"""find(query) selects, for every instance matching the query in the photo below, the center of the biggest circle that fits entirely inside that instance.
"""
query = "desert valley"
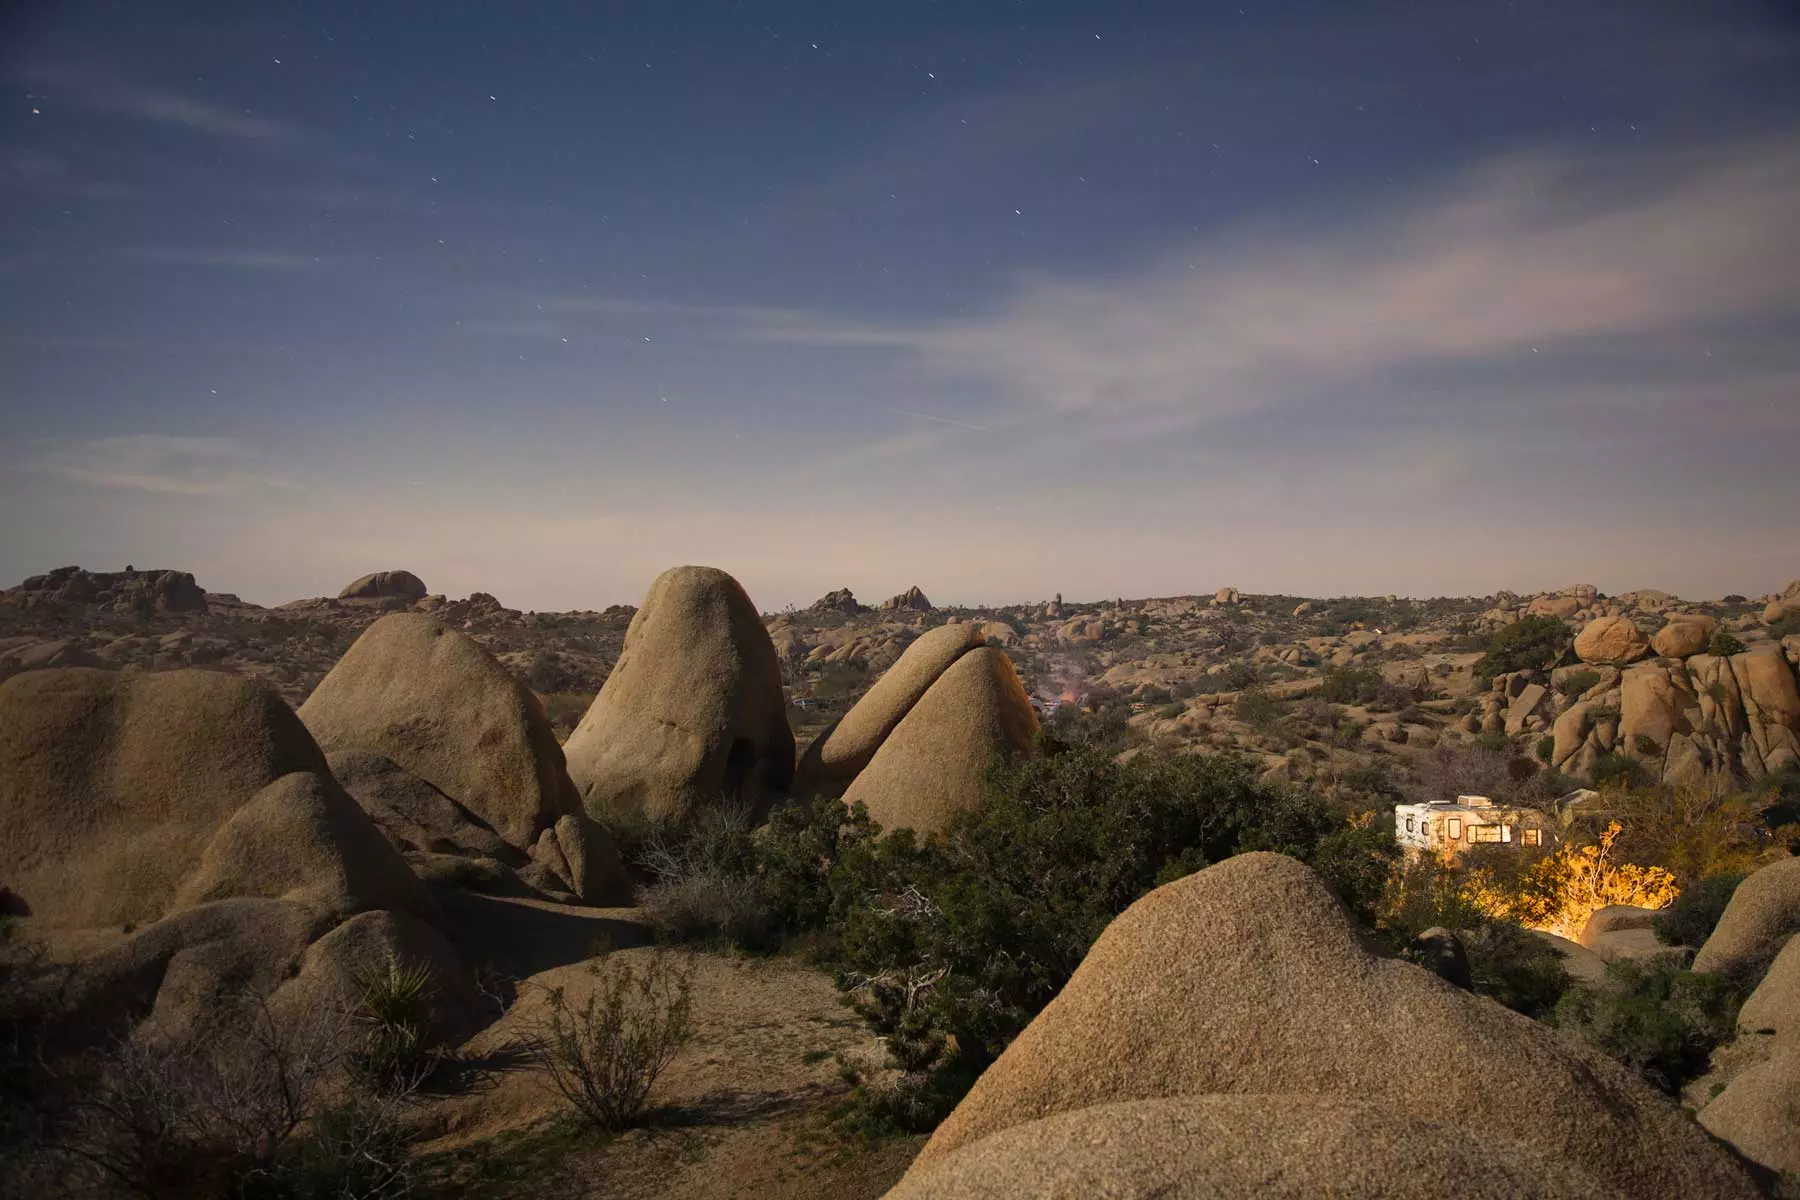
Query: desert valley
(387, 893)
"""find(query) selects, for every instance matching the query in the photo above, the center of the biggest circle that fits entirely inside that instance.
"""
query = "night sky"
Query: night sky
(998, 298)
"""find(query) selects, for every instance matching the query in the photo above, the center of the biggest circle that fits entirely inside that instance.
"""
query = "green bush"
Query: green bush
(1619, 769)
(1350, 685)
(1546, 747)
(1578, 683)
(951, 946)
(1534, 643)
(1257, 709)
(1655, 1017)
(1514, 967)
(1723, 643)
(1690, 920)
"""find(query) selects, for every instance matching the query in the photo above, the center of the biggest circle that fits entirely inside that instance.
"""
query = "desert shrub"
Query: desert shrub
(704, 880)
(1787, 626)
(1579, 683)
(1696, 912)
(242, 1106)
(394, 1012)
(1510, 965)
(1647, 746)
(1494, 742)
(1617, 769)
(1653, 1016)
(1546, 747)
(1693, 831)
(1237, 676)
(546, 672)
(1483, 769)
(1361, 685)
(1559, 891)
(1533, 643)
(1723, 643)
(1169, 712)
(1257, 709)
(951, 945)
(1732, 598)
(605, 1054)
(709, 905)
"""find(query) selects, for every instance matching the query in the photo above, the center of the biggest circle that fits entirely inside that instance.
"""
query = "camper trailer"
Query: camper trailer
(1449, 828)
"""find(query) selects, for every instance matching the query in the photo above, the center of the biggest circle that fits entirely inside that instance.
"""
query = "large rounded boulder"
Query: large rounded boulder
(836, 756)
(1763, 914)
(934, 764)
(1611, 640)
(693, 712)
(1206, 1147)
(445, 748)
(385, 585)
(1250, 978)
(112, 785)
(191, 811)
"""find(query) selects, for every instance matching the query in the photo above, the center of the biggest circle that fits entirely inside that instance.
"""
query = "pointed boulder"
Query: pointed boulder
(934, 764)
(693, 711)
(835, 756)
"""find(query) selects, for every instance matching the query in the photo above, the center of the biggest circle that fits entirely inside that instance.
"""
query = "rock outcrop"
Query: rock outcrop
(1708, 715)
(836, 756)
(934, 763)
(127, 591)
(1758, 1111)
(383, 585)
(193, 810)
(1249, 979)
(840, 601)
(693, 711)
(911, 600)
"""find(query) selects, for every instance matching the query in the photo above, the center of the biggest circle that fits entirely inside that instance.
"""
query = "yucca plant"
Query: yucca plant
(394, 1009)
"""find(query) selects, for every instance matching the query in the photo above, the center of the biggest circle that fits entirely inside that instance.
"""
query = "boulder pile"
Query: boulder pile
(192, 811)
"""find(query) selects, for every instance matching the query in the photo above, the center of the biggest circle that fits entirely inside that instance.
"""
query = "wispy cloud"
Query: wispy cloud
(99, 90)
(170, 465)
(1537, 252)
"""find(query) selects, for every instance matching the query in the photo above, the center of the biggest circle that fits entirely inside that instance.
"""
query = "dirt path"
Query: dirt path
(743, 1111)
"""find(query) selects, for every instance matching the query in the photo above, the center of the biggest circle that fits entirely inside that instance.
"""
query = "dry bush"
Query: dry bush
(242, 1105)
(245, 1106)
(603, 1056)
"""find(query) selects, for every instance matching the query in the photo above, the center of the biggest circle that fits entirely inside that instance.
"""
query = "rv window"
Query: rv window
(1486, 833)
(1453, 828)
(1409, 824)
(1532, 837)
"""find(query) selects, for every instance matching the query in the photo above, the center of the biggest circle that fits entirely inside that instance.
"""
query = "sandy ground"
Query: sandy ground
(743, 1110)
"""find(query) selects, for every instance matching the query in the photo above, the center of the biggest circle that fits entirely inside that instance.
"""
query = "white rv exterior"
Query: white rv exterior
(1450, 827)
